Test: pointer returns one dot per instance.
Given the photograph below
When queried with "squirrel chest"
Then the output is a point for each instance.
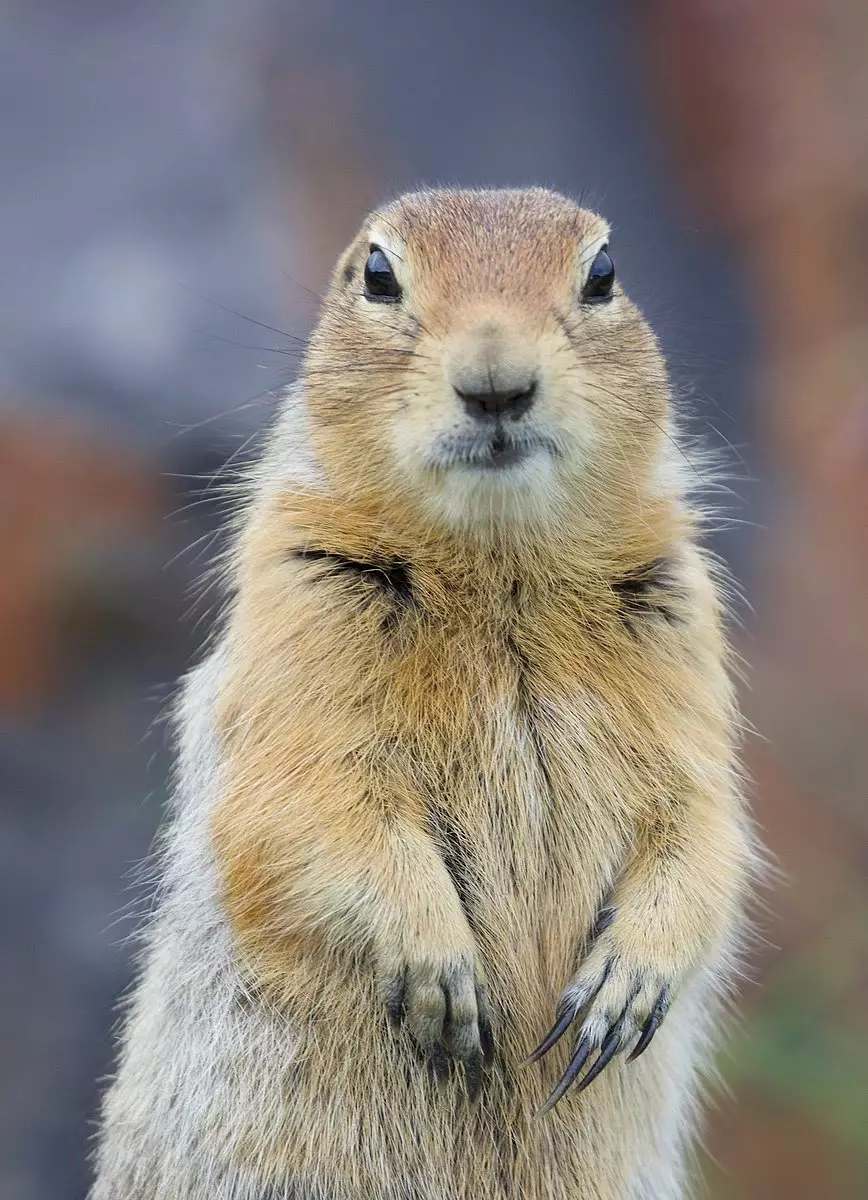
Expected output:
(524, 723)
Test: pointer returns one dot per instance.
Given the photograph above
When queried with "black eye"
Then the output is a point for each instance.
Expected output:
(380, 281)
(601, 279)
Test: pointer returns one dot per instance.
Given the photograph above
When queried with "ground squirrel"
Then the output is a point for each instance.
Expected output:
(457, 783)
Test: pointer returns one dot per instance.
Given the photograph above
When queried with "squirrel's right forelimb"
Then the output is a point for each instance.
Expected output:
(312, 863)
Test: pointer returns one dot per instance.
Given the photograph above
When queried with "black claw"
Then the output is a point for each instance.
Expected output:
(566, 1018)
(474, 1071)
(577, 1062)
(658, 1012)
(394, 999)
(486, 1040)
(567, 1015)
(486, 1036)
(440, 1063)
(553, 1036)
(608, 1050)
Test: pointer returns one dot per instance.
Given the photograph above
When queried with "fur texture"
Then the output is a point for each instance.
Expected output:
(463, 757)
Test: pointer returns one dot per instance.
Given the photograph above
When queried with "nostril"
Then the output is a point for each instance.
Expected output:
(512, 403)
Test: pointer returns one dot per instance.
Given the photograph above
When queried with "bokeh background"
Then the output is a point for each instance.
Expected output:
(178, 177)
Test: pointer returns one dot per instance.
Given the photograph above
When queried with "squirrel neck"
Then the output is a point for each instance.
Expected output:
(565, 553)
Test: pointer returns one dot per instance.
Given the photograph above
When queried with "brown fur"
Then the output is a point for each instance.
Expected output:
(451, 780)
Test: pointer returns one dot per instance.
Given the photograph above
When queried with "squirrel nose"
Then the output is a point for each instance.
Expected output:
(490, 404)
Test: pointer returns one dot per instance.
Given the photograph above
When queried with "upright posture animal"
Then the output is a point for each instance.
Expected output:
(460, 765)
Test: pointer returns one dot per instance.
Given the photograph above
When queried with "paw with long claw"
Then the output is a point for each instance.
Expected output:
(444, 1006)
(613, 1006)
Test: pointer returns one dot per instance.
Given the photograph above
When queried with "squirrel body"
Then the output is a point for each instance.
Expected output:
(462, 761)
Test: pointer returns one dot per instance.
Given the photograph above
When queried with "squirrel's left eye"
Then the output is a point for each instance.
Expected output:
(380, 281)
(601, 279)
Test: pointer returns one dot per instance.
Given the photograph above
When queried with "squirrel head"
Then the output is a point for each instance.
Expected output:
(477, 362)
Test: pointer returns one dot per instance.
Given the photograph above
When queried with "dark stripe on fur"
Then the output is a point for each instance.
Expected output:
(651, 591)
(391, 576)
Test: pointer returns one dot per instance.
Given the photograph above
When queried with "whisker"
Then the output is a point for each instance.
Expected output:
(660, 428)
(291, 337)
(247, 345)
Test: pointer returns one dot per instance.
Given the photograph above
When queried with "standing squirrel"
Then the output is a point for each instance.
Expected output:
(459, 831)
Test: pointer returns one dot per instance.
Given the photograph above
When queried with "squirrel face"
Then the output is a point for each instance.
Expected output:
(476, 358)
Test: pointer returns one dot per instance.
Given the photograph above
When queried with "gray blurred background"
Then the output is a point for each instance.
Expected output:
(178, 179)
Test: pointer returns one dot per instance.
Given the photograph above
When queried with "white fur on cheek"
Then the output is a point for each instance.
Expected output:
(290, 460)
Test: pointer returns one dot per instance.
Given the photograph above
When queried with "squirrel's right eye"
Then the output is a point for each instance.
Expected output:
(380, 281)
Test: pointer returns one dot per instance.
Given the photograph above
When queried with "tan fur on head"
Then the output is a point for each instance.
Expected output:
(465, 756)
(491, 287)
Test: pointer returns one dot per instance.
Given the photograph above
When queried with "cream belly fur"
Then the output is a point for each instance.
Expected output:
(461, 764)
(211, 1072)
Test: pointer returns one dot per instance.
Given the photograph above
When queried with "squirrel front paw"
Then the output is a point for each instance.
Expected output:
(613, 1000)
(441, 999)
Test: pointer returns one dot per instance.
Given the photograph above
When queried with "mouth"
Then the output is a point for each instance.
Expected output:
(492, 451)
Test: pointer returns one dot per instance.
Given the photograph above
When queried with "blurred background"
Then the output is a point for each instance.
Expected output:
(178, 179)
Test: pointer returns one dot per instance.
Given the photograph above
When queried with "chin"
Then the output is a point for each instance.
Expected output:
(488, 495)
